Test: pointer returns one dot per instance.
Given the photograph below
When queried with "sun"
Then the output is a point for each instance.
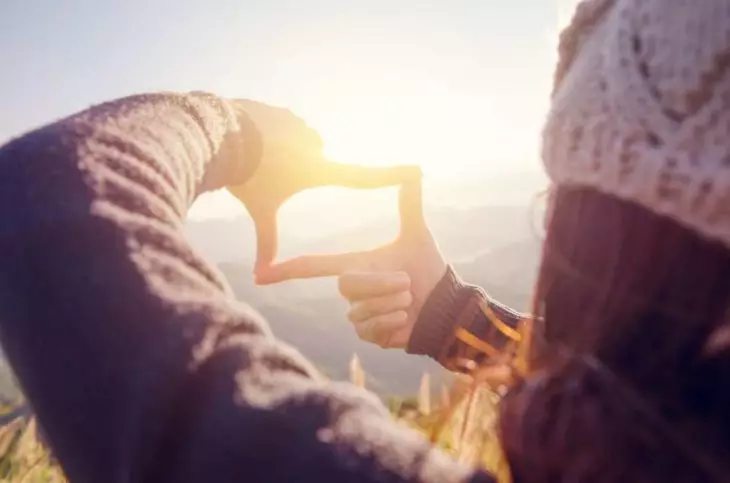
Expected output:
(388, 129)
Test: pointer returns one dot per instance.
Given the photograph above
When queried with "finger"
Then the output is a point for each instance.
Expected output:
(366, 285)
(384, 305)
(380, 329)
(410, 207)
(267, 239)
(311, 266)
(362, 177)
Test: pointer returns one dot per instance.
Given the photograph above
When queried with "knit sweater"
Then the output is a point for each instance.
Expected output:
(460, 322)
(133, 352)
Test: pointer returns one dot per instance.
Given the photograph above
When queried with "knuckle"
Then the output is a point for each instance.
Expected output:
(402, 279)
(360, 312)
(382, 337)
(383, 306)
(364, 332)
(405, 298)
(398, 316)
(352, 316)
(344, 285)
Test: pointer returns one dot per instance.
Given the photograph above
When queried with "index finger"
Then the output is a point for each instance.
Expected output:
(366, 285)
(267, 238)
(363, 177)
(311, 266)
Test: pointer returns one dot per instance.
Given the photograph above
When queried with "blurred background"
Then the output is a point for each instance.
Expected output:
(459, 87)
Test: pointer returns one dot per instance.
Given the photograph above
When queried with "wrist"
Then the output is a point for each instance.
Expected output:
(250, 147)
(439, 316)
(239, 152)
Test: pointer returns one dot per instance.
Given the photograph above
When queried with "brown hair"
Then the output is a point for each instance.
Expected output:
(630, 377)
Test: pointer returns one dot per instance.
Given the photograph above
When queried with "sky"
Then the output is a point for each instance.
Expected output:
(458, 86)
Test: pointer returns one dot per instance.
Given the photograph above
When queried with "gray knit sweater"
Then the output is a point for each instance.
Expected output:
(136, 358)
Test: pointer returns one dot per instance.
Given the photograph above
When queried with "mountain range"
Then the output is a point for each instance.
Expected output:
(496, 246)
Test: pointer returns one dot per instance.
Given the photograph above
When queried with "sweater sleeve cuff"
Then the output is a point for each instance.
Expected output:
(251, 145)
(439, 316)
(241, 147)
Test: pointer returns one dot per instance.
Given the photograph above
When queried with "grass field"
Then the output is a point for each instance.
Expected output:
(461, 422)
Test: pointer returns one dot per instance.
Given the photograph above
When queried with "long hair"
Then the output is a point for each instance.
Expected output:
(630, 362)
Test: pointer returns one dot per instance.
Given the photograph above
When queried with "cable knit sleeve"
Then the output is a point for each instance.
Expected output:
(460, 322)
(137, 360)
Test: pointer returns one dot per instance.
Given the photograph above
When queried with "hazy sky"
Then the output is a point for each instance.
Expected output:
(455, 85)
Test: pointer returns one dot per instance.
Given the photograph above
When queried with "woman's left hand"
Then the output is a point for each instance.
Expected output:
(293, 161)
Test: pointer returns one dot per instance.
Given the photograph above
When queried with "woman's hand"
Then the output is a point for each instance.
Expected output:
(292, 162)
(386, 287)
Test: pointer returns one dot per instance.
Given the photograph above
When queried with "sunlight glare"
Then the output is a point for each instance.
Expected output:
(445, 132)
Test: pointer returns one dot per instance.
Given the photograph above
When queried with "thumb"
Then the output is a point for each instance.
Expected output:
(363, 177)
(312, 266)
(267, 238)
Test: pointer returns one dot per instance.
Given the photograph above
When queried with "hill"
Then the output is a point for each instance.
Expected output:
(316, 324)
(466, 216)
(492, 246)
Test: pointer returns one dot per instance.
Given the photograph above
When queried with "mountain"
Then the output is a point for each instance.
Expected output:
(317, 326)
(507, 273)
(496, 247)
(467, 216)
(319, 329)
(462, 233)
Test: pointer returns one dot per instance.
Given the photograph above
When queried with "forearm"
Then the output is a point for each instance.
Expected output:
(137, 360)
(460, 322)
(94, 265)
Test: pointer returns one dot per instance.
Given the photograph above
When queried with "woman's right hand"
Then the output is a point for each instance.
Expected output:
(386, 287)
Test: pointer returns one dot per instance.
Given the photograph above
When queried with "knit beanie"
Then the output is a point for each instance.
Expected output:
(641, 108)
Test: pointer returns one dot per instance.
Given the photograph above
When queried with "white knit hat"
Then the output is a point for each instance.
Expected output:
(641, 108)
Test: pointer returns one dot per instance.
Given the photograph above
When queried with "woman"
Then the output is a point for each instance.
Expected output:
(632, 336)
(142, 367)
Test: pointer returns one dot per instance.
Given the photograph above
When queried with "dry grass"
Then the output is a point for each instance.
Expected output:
(462, 422)
(23, 459)
(464, 427)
